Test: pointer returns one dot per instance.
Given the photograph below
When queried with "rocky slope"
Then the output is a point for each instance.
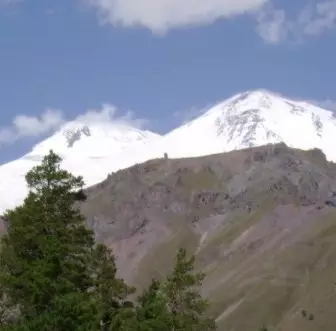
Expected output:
(261, 221)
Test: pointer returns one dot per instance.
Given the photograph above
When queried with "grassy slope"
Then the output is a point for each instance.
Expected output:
(273, 286)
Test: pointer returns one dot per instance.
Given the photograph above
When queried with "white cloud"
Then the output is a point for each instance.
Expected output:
(34, 126)
(319, 19)
(108, 114)
(24, 126)
(274, 26)
(162, 15)
(31, 126)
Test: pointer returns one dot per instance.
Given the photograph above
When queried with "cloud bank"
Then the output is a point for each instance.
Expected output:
(272, 24)
(108, 115)
(316, 18)
(162, 15)
(23, 126)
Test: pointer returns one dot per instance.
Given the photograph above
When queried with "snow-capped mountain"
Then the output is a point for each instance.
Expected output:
(90, 150)
(252, 119)
(248, 119)
(77, 139)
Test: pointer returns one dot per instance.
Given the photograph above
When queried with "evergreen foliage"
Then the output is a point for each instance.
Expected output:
(53, 276)
(181, 292)
(51, 272)
(175, 304)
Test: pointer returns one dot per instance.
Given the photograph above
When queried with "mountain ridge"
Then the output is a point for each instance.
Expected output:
(247, 119)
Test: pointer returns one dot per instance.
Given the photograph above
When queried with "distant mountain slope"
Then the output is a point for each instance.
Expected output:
(261, 222)
(248, 119)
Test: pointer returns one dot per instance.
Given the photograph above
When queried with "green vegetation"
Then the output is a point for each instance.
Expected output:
(53, 276)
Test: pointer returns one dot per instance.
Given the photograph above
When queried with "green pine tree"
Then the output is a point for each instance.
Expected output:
(110, 293)
(52, 276)
(176, 303)
(152, 313)
(185, 304)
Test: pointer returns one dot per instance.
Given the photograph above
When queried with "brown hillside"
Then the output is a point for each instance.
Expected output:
(262, 222)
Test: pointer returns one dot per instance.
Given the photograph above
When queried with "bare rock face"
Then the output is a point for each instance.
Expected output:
(157, 198)
(74, 135)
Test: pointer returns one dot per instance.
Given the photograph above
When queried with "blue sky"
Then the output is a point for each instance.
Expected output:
(159, 59)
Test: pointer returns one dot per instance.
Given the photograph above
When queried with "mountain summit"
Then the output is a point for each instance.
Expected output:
(249, 119)
(255, 118)
(93, 139)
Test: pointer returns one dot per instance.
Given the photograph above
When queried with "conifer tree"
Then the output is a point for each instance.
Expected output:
(185, 304)
(175, 304)
(152, 313)
(110, 293)
(48, 258)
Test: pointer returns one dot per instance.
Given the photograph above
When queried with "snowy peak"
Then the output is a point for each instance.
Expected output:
(255, 118)
(269, 109)
(92, 150)
(264, 101)
(96, 139)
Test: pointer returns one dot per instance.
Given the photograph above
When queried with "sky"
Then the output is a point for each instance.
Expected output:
(154, 62)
